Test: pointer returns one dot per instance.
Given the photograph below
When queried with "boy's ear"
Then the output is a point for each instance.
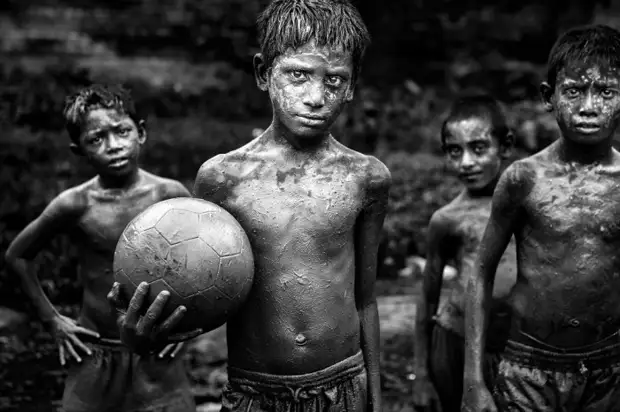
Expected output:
(507, 145)
(546, 94)
(142, 131)
(76, 149)
(350, 94)
(260, 72)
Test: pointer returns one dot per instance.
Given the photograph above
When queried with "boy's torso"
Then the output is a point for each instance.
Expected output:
(104, 216)
(301, 315)
(468, 219)
(568, 291)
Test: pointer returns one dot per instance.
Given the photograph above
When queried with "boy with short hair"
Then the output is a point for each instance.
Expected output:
(307, 339)
(476, 141)
(563, 207)
(104, 129)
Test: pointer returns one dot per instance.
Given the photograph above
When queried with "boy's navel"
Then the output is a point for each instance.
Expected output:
(300, 339)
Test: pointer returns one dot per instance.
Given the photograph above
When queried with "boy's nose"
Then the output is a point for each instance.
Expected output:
(588, 105)
(314, 95)
(114, 143)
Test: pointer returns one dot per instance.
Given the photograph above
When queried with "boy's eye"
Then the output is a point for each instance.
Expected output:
(454, 151)
(298, 74)
(334, 80)
(123, 132)
(572, 92)
(95, 140)
(608, 93)
(479, 149)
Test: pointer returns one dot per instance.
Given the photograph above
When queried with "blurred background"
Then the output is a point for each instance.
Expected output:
(188, 63)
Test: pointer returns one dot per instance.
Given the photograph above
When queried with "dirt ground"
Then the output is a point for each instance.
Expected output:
(31, 378)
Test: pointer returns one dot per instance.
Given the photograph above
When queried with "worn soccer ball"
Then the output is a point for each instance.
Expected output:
(195, 250)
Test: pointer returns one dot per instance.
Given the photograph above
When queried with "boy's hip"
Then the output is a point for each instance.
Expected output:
(114, 377)
(342, 386)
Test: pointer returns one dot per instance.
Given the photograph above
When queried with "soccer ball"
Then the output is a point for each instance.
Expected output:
(195, 250)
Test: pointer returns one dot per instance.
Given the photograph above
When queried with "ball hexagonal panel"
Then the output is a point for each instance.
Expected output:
(142, 256)
(197, 206)
(178, 225)
(236, 272)
(195, 263)
(150, 216)
(226, 239)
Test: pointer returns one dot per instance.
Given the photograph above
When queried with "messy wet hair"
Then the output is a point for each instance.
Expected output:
(96, 96)
(595, 43)
(288, 24)
(481, 106)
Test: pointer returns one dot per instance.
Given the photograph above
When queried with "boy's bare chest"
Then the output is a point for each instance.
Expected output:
(588, 208)
(272, 208)
(107, 217)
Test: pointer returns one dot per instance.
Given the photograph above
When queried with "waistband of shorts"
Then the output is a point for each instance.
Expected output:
(553, 359)
(104, 343)
(341, 371)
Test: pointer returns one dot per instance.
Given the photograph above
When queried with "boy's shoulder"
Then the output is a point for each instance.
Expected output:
(165, 187)
(368, 167)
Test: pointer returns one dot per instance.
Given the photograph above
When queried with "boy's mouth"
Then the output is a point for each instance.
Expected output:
(118, 162)
(311, 120)
(587, 128)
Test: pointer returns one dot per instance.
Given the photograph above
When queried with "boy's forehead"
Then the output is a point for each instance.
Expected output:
(468, 129)
(99, 117)
(312, 51)
(589, 71)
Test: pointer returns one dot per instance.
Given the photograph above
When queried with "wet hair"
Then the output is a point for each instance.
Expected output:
(481, 106)
(288, 24)
(96, 96)
(596, 43)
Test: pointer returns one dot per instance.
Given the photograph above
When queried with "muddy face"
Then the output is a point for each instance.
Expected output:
(472, 152)
(586, 101)
(308, 88)
(111, 141)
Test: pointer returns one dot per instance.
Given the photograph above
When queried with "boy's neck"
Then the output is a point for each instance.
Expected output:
(283, 137)
(571, 152)
(123, 182)
(483, 192)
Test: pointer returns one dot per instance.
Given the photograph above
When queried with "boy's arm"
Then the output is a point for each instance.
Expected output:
(177, 189)
(56, 217)
(505, 213)
(438, 235)
(367, 236)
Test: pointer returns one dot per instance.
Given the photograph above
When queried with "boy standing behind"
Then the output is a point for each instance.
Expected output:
(105, 129)
(476, 141)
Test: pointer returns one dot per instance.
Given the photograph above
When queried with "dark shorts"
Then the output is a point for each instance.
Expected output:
(532, 379)
(447, 359)
(116, 380)
(339, 388)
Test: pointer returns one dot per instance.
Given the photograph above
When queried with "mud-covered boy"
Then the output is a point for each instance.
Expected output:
(307, 339)
(563, 207)
(477, 142)
(103, 375)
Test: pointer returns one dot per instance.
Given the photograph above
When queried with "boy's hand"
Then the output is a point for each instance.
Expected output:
(477, 398)
(65, 332)
(425, 398)
(142, 334)
(171, 350)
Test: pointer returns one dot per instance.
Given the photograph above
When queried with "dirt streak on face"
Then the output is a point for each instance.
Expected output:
(308, 88)
(473, 152)
(586, 101)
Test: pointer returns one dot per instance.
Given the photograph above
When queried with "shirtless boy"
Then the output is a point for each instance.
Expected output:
(476, 141)
(308, 337)
(563, 207)
(105, 130)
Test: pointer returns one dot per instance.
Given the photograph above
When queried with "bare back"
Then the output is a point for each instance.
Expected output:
(101, 217)
(300, 216)
(568, 289)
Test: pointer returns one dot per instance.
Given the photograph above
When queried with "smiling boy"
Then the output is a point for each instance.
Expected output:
(307, 339)
(104, 129)
(477, 143)
(563, 207)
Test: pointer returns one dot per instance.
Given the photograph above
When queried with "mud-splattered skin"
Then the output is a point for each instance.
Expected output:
(313, 210)
(563, 206)
(94, 215)
(455, 230)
